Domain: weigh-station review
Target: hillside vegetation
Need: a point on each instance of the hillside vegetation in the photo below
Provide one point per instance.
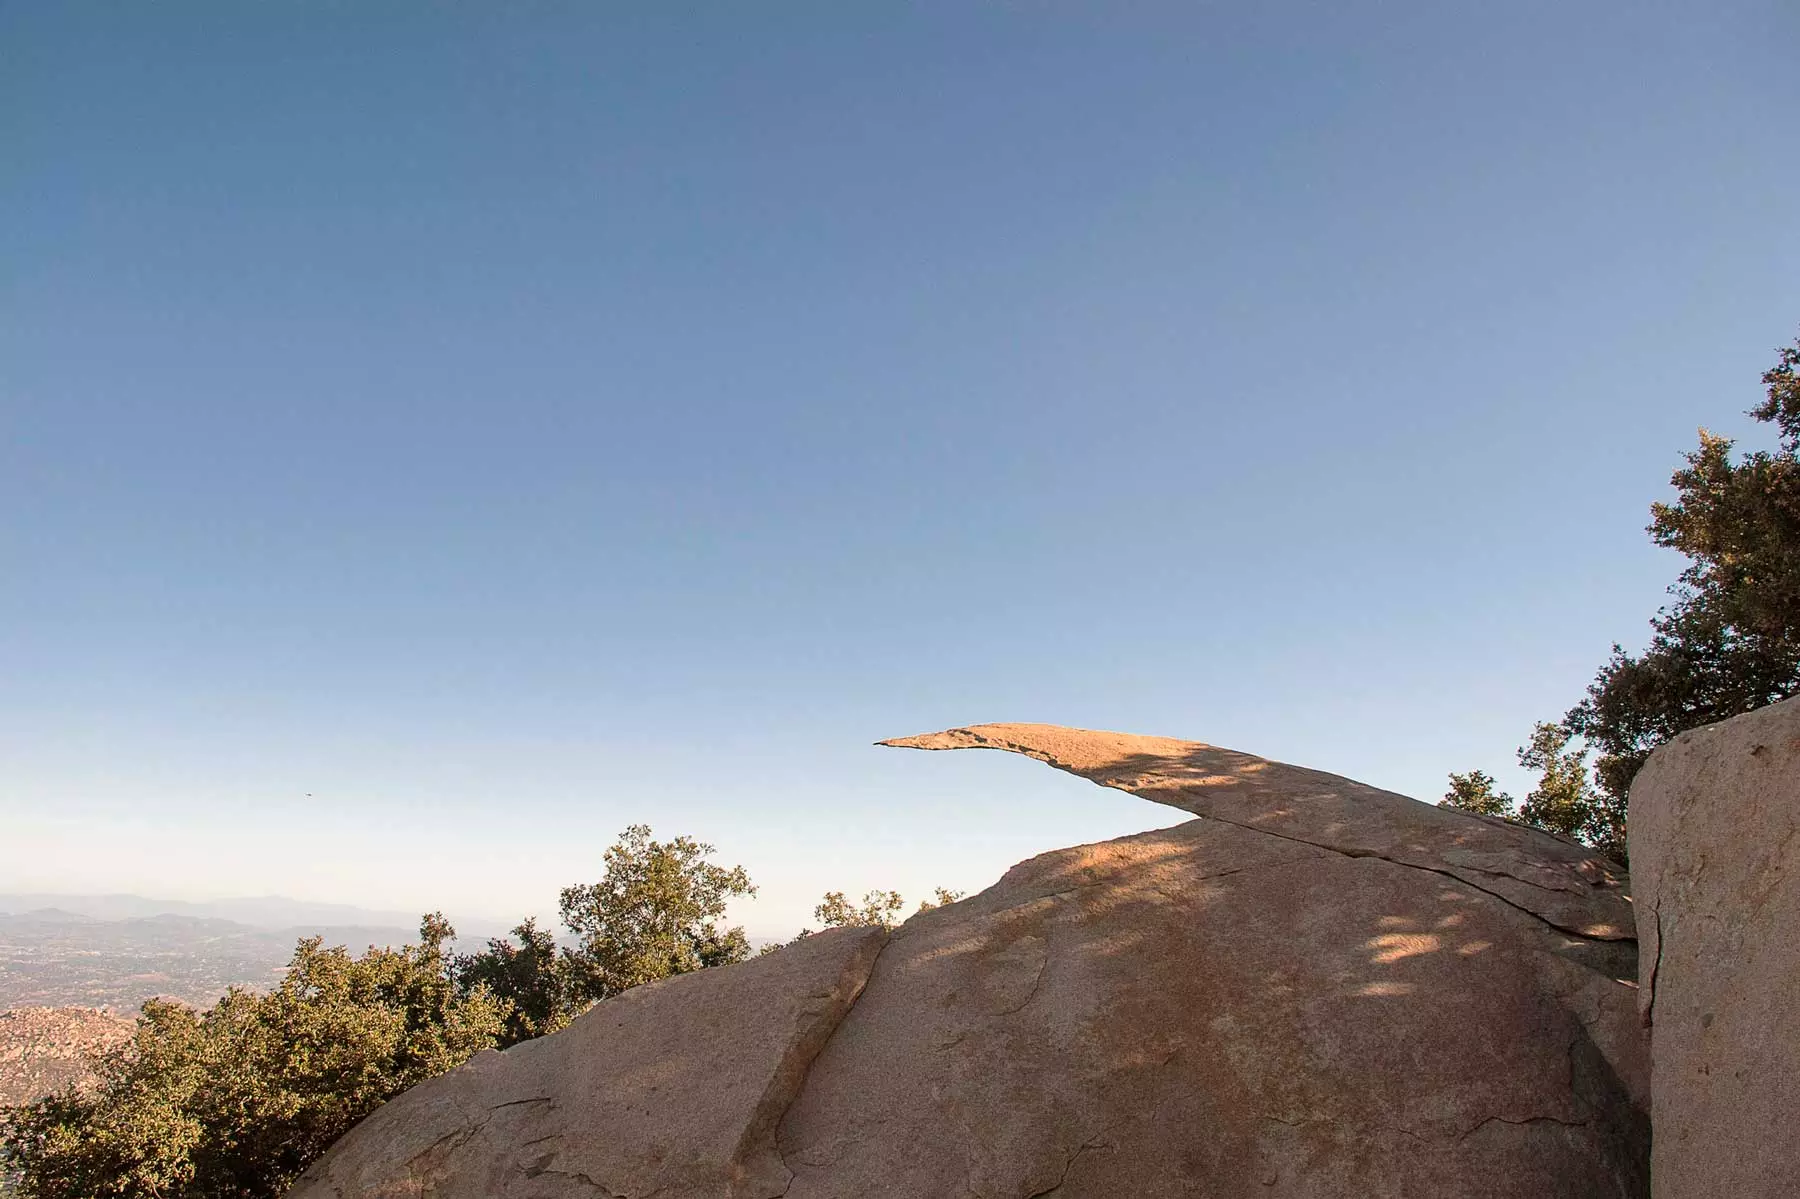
(232, 1101)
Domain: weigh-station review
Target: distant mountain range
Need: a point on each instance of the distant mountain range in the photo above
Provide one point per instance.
(115, 951)
(265, 911)
(53, 957)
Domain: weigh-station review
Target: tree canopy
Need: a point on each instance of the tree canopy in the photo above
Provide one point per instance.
(531, 979)
(1727, 643)
(879, 909)
(1730, 640)
(235, 1101)
(1564, 801)
(654, 913)
(1475, 792)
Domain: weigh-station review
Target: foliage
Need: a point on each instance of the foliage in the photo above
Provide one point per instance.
(879, 909)
(1474, 792)
(532, 979)
(233, 1102)
(940, 897)
(655, 913)
(1563, 801)
(1730, 641)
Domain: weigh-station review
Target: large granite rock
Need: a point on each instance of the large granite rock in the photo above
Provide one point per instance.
(673, 1089)
(1321, 989)
(1715, 848)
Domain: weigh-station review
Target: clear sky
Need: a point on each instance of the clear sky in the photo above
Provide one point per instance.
(434, 436)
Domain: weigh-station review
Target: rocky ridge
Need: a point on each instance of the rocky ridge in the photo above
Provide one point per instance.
(1316, 989)
(44, 1050)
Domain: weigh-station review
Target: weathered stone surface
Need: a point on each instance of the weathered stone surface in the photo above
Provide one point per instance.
(1210, 1011)
(1220, 1009)
(1715, 849)
(671, 1089)
(1321, 990)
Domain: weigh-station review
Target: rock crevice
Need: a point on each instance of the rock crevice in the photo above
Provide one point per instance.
(1715, 842)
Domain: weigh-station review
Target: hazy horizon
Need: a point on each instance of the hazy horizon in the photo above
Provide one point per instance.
(434, 437)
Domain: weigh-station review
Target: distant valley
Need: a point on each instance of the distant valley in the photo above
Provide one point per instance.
(258, 911)
(74, 969)
(52, 957)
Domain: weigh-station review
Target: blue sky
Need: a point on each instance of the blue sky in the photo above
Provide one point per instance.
(433, 437)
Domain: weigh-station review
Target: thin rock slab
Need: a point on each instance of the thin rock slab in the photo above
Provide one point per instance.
(1561, 882)
(1715, 844)
(673, 1090)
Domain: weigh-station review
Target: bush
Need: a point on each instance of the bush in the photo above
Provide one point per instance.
(234, 1102)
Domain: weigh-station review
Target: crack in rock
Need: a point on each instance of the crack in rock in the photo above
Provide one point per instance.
(773, 1126)
(1526, 1122)
(1037, 984)
(585, 1180)
(1649, 1003)
(1451, 873)
(1067, 1167)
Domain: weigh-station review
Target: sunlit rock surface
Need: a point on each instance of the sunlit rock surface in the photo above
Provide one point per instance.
(1715, 844)
(1563, 883)
(1320, 989)
(674, 1088)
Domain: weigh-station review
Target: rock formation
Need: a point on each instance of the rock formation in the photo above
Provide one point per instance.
(1318, 989)
(674, 1088)
(44, 1050)
(1715, 847)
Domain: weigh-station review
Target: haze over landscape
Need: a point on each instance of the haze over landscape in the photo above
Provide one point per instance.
(436, 438)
